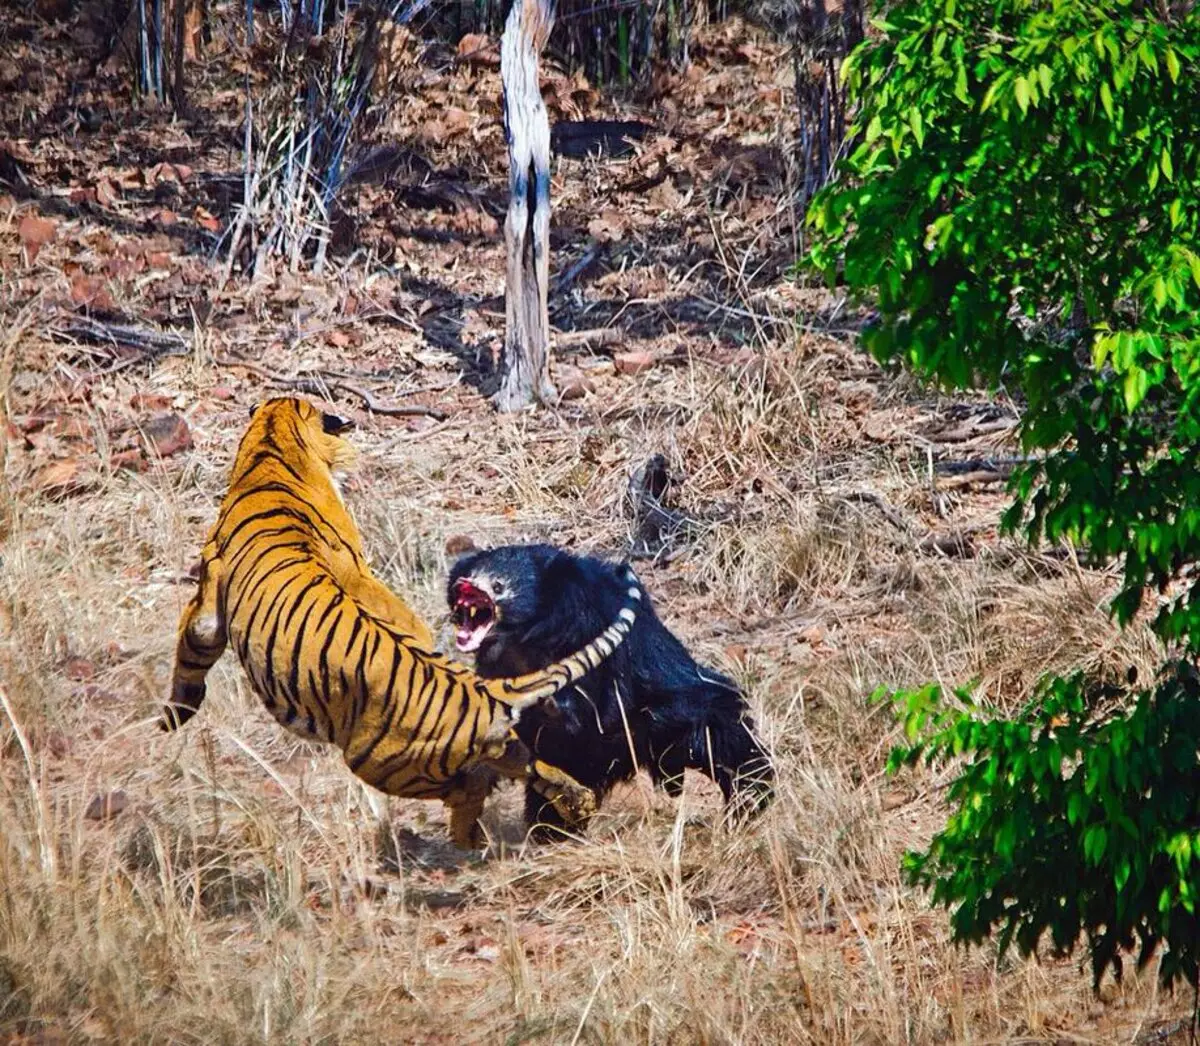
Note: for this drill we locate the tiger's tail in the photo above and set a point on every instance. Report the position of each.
(523, 691)
(202, 639)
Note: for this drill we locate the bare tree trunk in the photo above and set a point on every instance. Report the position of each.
(526, 367)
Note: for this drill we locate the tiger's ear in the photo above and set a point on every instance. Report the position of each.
(254, 409)
(334, 425)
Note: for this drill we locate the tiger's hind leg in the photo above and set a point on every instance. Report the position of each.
(465, 802)
(202, 639)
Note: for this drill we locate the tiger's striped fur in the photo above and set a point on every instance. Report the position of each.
(335, 655)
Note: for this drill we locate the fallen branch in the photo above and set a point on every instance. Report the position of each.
(979, 476)
(150, 342)
(321, 383)
(599, 337)
(999, 465)
(970, 429)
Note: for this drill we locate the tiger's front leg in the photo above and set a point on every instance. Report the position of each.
(202, 639)
(574, 802)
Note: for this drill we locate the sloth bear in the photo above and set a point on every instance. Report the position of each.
(517, 608)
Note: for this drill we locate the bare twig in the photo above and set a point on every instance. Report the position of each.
(869, 497)
(321, 383)
(566, 279)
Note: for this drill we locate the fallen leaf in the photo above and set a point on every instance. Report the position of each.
(34, 233)
(814, 635)
(106, 192)
(167, 434)
(62, 479)
(575, 386)
(736, 652)
(80, 669)
(106, 807)
(606, 227)
(58, 743)
(206, 220)
(91, 292)
(149, 401)
(478, 49)
(131, 460)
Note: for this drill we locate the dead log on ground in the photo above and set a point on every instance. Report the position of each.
(526, 367)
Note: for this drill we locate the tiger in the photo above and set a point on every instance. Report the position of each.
(336, 656)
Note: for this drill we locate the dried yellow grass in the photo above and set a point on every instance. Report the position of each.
(244, 894)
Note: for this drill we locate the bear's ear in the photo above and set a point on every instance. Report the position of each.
(334, 425)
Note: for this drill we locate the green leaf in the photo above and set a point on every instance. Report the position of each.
(874, 129)
(917, 124)
(1135, 386)
(1165, 163)
(990, 96)
(1172, 65)
(1021, 93)
(1106, 98)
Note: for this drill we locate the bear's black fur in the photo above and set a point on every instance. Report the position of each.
(676, 714)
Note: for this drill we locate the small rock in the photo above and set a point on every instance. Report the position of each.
(222, 392)
(167, 434)
(106, 807)
(459, 545)
(634, 362)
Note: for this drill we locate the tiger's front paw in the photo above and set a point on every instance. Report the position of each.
(576, 806)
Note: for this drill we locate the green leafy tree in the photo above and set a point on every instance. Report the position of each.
(1021, 203)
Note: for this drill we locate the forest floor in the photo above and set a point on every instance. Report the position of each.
(227, 884)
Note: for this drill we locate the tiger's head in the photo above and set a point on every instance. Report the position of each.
(295, 424)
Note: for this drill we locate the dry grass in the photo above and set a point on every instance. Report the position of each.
(244, 896)
(244, 893)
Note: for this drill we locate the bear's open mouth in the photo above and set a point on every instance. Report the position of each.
(473, 614)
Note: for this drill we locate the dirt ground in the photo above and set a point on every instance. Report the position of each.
(228, 884)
